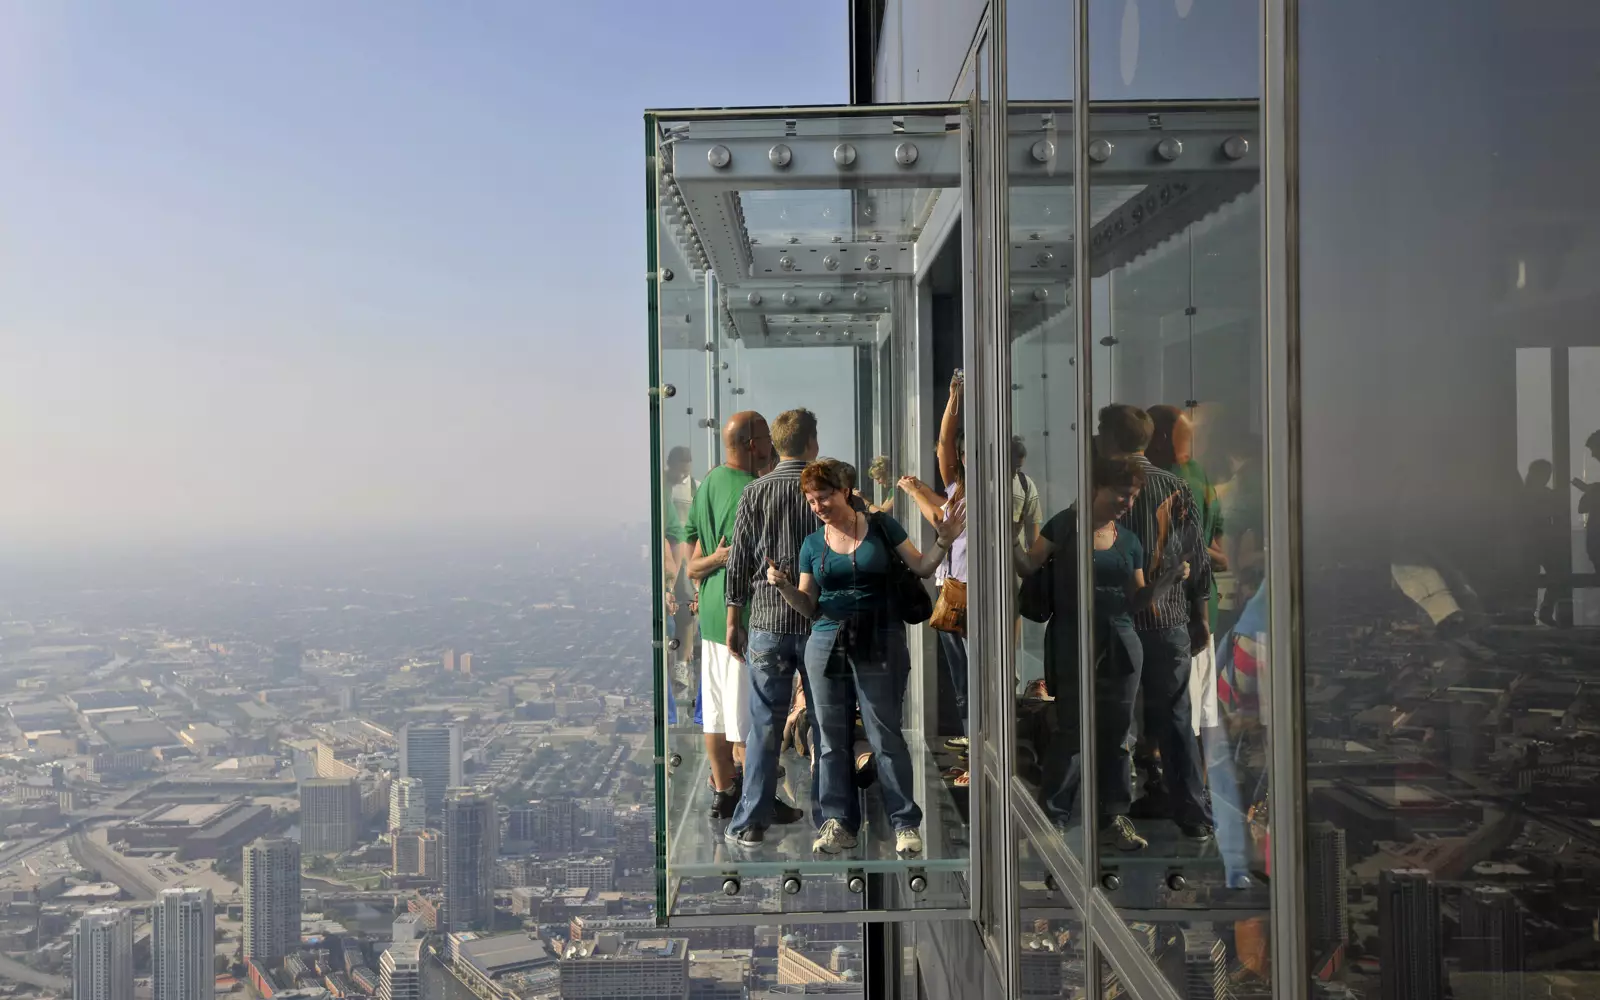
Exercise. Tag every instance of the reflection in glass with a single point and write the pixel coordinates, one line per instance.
(1449, 393)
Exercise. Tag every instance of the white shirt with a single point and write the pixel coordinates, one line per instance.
(954, 565)
(1024, 504)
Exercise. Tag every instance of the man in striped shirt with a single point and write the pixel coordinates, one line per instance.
(772, 520)
(1174, 628)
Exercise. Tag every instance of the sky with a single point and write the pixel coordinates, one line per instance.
(301, 268)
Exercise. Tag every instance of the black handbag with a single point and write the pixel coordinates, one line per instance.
(909, 599)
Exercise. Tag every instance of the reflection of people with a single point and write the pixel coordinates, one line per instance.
(678, 494)
(1174, 628)
(724, 686)
(1589, 506)
(856, 656)
(1545, 527)
(1120, 590)
(951, 452)
(1024, 496)
(773, 520)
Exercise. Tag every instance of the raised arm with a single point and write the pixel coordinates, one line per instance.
(949, 451)
(927, 499)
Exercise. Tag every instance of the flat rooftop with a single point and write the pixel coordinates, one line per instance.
(186, 814)
(505, 953)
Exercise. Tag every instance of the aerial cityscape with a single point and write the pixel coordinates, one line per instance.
(345, 772)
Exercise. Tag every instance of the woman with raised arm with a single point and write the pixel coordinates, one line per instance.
(856, 655)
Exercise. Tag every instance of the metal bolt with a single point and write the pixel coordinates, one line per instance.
(831, 262)
(844, 154)
(788, 298)
(754, 298)
(666, 274)
(791, 884)
(871, 262)
(1045, 259)
(719, 156)
(1100, 150)
(669, 390)
(825, 298)
(1043, 150)
(822, 333)
(918, 883)
(730, 887)
(786, 262)
(675, 760)
(1176, 882)
(724, 366)
(905, 154)
(1234, 147)
(780, 155)
(1040, 294)
(857, 884)
(1169, 149)
(860, 297)
(1109, 882)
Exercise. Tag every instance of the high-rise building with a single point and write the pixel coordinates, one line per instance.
(553, 822)
(183, 933)
(1409, 936)
(271, 899)
(1205, 966)
(406, 927)
(400, 971)
(607, 966)
(408, 808)
(1327, 908)
(418, 853)
(102, 955)
(330, 814)
(349, 700)
(1492, 940)
(464, 664)
(598, 816)
(471, 844)
(448, 660)
(432, 754)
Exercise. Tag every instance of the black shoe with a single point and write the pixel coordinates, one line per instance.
(783, 813)
(750, 836)
(1198, 832)
(1149, 807)
(724, 803)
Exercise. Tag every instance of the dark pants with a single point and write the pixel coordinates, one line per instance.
(773, 660)
(1169, 722)
(1117, 669)
(861, 666)
(955, 665)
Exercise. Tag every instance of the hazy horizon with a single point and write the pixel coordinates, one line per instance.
(342, 271)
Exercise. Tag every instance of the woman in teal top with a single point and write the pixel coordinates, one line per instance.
(856, 655)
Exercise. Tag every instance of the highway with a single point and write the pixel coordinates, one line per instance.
(14, 970)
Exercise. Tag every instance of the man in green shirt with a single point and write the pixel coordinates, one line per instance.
(724, 678)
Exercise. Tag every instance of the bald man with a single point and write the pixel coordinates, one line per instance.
(724, 678)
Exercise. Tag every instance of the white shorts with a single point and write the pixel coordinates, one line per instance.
(724, 692)
(1203, 707)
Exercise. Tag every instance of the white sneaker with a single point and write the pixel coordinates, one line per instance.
(1119, 833)
(908, 841)
(833, 838)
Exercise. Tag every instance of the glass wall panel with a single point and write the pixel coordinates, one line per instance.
(808, 283)
(1174, 300)
(1448, 387)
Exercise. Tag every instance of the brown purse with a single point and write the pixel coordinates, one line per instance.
(950, 610)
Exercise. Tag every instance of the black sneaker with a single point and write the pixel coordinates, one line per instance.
(750, 836)
(783, 813)
(724, 803)
(1198, 832)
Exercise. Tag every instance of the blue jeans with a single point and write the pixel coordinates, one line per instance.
(773, 660)
(1233, 836)
(861, 664)
(1119, 658)
(1168, 721)
(955, 664)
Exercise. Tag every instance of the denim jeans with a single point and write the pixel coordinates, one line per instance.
(1118, 667)
(861, 664)
(773, 660)
(955, 665)
(1227, 804)
(1168, 721)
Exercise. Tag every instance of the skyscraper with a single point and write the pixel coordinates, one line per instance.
(271, 899)
(330, 814)
(464, 664)
(1408, 935)
(431, 753)
(1205, 966)
(1492, 939)
(183, 931)
(1327, 910)
(408, 808)
(417, 853)
(102, 955)
(448, 660)
(471, 844)
(400, 971)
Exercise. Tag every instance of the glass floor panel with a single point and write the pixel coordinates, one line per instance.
(697, 846)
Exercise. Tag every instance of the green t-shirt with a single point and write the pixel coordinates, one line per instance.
(1205, 497)
(711, 517)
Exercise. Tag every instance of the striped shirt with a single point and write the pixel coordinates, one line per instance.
(773, 519)
(1167, 521)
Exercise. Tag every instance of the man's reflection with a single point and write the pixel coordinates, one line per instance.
(1545, 521)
